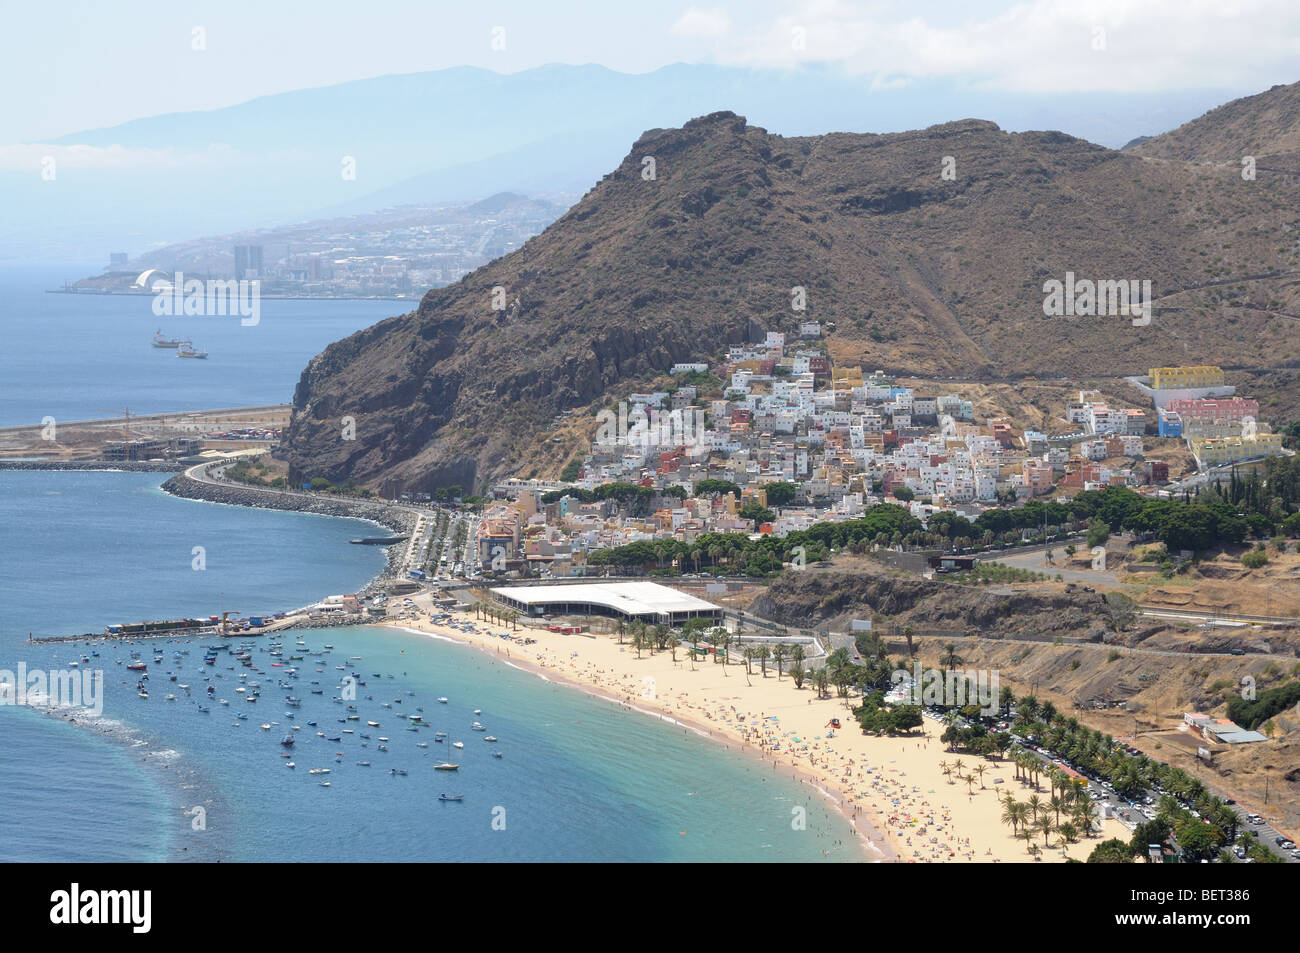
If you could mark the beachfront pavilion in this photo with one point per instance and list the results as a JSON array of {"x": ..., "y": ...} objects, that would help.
[{"x": 650, "y": 602}]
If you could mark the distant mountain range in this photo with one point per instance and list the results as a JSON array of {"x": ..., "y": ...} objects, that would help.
[
  {"x": 915, "y": 272},
  {"x": 451, "y": 135}
]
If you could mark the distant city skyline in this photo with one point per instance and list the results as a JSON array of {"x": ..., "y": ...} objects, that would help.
[{"x": 79, "y": 66}]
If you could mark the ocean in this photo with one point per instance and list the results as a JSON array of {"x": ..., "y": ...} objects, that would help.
[
  {"x": 152, "y": 779},
  {"x": 71, "y": 357}
]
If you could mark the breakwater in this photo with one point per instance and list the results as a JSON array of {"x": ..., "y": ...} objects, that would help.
[
  {"x": 397, "y": 518},
  {"x": 132, "y": 466}
]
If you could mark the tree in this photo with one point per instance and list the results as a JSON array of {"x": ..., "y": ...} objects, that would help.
[
  {"x": 797, "y": 672},
  {"x": 1113, "y": 851},
  {"x": 821, "y": 679},
  {"x": 1098, "y": 532},
  {"x": 778, "y": 656}
]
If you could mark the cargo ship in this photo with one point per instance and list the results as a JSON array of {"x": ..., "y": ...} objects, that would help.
[{"x": 162, "y": 340}]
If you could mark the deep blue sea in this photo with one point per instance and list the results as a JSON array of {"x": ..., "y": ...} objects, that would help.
[
  {"x": 72, "y": 356},
  {"x": 154, "y": 779}
]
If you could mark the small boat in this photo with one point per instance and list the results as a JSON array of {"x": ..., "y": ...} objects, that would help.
[
  {"x": 442, "y": 701},
  {"x": 446, "y": 766},
  {"x": 266, "y": 727},
  {"x": 458, "y": 744},
  {"x": 451, "y": 797},
  {"x": 422, "y": 744},
  {"x": 489, "y": 738},
  {"x": 363, "y": 764},
  {"x": 171, "y": 698},
  {"x": 478, "y": 711},
  {"x": 186, "y": 349},
  {"x": 319, "y": 771},
  {"x": 477, "y": 727},
  {"x": 287, "y": 741},
  {"x": 136, "y": 666},
  {"x": 373, "y": 724},
  {"x": 496, "y": 754},
  {"x": 401, "y": 771},
  {"x": 324, "y": 784},
  {"x": 143, "y": 694}
]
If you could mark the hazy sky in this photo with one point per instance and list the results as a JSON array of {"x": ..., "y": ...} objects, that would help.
[{"x": 68, "y": 66}]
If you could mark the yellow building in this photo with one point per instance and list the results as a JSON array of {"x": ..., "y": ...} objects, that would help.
[
  {"x": 1219, "y": 451},
  {"x": 846, "y": 378},
  {"x": 1178, "y": 378}
]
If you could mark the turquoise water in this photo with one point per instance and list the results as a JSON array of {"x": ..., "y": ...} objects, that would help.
[{"x": 579, "y": 778}]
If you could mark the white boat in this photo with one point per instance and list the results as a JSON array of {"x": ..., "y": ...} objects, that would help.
[
  {"x": 186, "y": 349},
  {"x": 490, "y": 738},
  {"x": 457, "y": 744},
  {"x": 446, "y": 766},
  {"x": 442, "y": 701},
  {"x": 496, "y": 754}
]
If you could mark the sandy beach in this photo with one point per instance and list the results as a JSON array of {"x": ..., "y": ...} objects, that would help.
[{"x": 893, "y": 790}]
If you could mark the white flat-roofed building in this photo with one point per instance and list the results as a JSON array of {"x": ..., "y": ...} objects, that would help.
[{"x": 647, "y": 601}]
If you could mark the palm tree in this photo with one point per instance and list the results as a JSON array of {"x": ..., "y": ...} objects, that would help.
[
  {"x": 970, "y": 780},
  {"x": 1069, "y": 832},
  {"x": 1055, "y": 804},
  {"x": 820, "y": 680},
  {"x": 778, "y": 655},
  {"x": 1022, "y": 812},
  {"x": 1011, "y": 816},
  {"x": 1027, "y": 836},
  {"x": 762, "y": 653},
  {"x": 1046, "y": 825},
  {"x": 980, "y": 769},
  {"x": 1035, "y": 805}
]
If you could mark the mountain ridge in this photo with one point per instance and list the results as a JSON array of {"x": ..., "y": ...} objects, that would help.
[{"x": 913, "y": 270}]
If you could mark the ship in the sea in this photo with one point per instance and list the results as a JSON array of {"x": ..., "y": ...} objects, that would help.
[
  {"x": 186, "y": 349},
  {"x": 162, "y": 340}
]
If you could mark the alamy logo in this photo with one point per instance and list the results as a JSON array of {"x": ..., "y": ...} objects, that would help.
[
  {"x": 1104, "y": 298},
  {"x": 211, "y": 298},
  {"x": 75, "y": 906},
  {"x": 65, "y": 688},
  {"x": 952, "y": 689},
  {"x": 652, "y": 428}
]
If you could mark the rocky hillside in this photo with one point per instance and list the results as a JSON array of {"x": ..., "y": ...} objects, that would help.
[
  {"x": 832, "y": 598},
  {"x": 1262, "y": 125},
  {"x": 914, "y": 272}
]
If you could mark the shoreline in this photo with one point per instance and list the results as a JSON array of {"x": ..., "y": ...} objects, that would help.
[
  {"x": 911, "y": 809},
  {"x": 875, "y": 848}
]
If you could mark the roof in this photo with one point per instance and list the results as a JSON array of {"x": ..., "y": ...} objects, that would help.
[
  {"x": 1239, "y": 737},
  {"x": 633, "y": 598}
]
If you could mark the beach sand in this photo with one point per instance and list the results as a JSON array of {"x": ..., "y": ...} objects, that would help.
[{"x": 892, "y": 790}]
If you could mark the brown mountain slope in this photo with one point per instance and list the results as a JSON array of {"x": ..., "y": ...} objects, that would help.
[
  {"x": 916, "y": 273},
  {"x": 1265, "y": 124}
]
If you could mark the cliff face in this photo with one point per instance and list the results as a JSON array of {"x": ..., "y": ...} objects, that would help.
[
  {"x": 914, "y": 271},
  {"x": 833, "y": 598}
]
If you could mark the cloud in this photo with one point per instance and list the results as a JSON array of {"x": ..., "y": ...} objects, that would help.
[
  {"x": 696, "y": 23},
  {"x": 1038, "y": 45}
]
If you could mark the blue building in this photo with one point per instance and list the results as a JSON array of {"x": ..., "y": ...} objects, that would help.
[{"x": 1171, "y": 423}]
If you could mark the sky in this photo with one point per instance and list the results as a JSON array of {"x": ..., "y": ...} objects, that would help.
[{"x": 69, "y": 66}]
